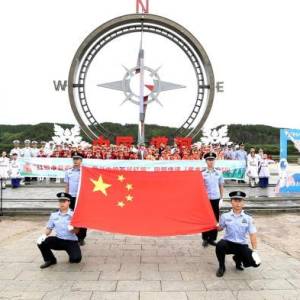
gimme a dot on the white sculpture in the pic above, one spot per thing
(214, 136)
(68, 136)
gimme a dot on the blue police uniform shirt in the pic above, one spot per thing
(59, 222)
(72, 177)
(213, 179)
(237, 226)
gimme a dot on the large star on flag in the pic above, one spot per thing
(100, 185)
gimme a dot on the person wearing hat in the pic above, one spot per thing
(214, 183)
(72, 177)
(14, 171)
(26, 153)
(16, 149)
(65, 238)
(237, 225)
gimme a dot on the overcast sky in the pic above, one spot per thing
(254, 47)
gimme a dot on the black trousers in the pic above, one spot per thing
(55, 243)
(242, 253)
(212, 234)
(82, 231)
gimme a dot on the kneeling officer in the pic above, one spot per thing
(237, 225)
(65, 238)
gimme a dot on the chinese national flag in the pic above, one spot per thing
(143, 203)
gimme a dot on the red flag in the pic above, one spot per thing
(143, 203)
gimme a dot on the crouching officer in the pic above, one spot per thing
(237, 225)
(65, 238)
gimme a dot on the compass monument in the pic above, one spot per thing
(141, 84)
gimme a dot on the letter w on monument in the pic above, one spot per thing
(143, 203)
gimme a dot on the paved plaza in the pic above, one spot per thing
(125, 267)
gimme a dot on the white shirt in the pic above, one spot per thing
(4, 167)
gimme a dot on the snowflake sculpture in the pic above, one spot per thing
(214, 136)
(69, 136)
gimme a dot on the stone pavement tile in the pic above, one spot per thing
(44, 286)
(123, 259)
(270, 284)
(178, 267)
(103, 252)
(104, 286)
(247, 274)
(120, 275)
(62, 294)
(180, 286)
(158, 259)
(132, 252)
(163, 296)
(20, 259)
(155, 275)
(115, 296)
(148, 252)
(250, 295)
(9, 274)
(211, 295)
(200, 275)
(295, 283)
(275, 274)
(13, 285)
(189, 259)
(32, 266)
(237, 285)
(101, 267)
(88, 260)
(280, 294)
(46, 275)
(215, 284)
(139, 267)
(22, 295)
(135, 286)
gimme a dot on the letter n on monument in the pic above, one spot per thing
(142, 6)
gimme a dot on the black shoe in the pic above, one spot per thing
(213, 243)
(48, 264)
(205, 243)
(220, 272)
(238, 264)
(81, 242)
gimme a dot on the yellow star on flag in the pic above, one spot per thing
(129, 198)
(121, 178)
(121, 204)
(100, 185)
(129, 186)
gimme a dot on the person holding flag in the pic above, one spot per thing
(65, 238)
(214, 183)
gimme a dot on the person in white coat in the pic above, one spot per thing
(252, 167)
(4, 169)
(14, 171)
(263, 171)
(16, 149)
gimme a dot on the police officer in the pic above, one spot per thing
(72, 178)
(214, 183)
(65, 238)
(237, 225)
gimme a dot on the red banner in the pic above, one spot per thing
(143, 203)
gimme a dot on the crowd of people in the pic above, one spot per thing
(257, 163)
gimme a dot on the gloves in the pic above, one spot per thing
(221, 203)
(256, 258)
(70, 227)
(41, 239)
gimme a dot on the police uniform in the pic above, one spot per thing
(72, 177)
(213, 179)
(236, 226)
(64, 239)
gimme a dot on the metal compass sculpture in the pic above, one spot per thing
(150, 85)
